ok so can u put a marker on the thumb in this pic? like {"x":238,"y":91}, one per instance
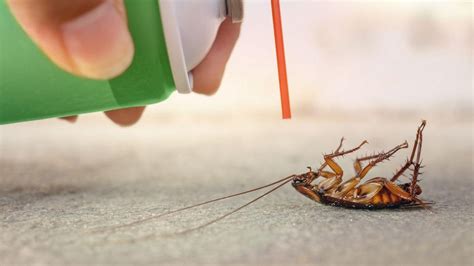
{"x":89,"y":38}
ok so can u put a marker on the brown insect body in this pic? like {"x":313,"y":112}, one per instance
{"x":376,"y":193}
{"x":384,"y":199}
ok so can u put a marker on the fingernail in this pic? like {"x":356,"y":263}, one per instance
{"x":99,"y":42}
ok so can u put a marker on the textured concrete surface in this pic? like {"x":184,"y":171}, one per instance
{"x":60,"y":182}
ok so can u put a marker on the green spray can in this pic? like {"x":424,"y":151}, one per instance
{"x":170,"y":36}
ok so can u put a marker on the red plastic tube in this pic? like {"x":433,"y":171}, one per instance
{"x":280,"y":52}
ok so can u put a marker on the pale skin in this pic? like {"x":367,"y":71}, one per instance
{"x":90,"y":38}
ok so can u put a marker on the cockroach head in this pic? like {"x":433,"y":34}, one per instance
{"x":304,"y":179}
{"x":298,"y":180}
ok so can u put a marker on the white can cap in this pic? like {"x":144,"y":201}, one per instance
{"x":190,"y":28}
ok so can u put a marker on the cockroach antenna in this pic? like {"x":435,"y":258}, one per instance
{"x":280,"y":183}
{"x":235,"y":210}
{"x":157,"y":216}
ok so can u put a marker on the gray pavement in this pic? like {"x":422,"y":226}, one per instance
{"x":59,"y":183}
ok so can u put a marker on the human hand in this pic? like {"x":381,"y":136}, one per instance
{"x":90,"y":38}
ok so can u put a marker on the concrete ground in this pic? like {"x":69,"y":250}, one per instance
{"x":60,"y":183}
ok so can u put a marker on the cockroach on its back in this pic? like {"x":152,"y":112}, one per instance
{"x":375,"y":193}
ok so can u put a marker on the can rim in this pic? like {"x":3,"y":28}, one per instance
{"x":182,"y":78}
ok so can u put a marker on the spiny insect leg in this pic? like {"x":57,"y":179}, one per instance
{"x":323,"y":165}
{"x":340,"y":145}
{"x":358,"y":162}
{"x":329,"y":158}
{"x":320,"y":171}
{"x":401,"y":171}
{"x":417,"y":164}
{"x":327,"y":174}
{"x":350,"y":184}
{"x":416,"y":146}
{"x":334,"y":179}
{"x":380,"y":158}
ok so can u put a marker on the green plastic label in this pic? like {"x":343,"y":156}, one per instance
{"x":32,"y":87}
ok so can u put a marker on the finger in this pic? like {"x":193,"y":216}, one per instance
{"x":89,"y":38}
{"x":70,"y":119}
{"x":127,"y":116}
{"x":208,"y":74}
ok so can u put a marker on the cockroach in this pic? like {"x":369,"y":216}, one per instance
{"x":376,"y":193}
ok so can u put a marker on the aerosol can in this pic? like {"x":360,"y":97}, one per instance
{"x":171,"y":37}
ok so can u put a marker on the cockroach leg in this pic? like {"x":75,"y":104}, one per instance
{"x":377,"y":158}
{"x":401,"y":171}
{"x":358,"y":162}
{"x":329,"y":183}
{"x":308,"y":192}
{"x":353,"y":182}
{"x":345,"y":187}
{"x":364,"y":193}
{"x":416,"y":146}
{"x":327,"y":174}
{"x":380,"y":158}
{"x":392,"y":187}
{"x":350,"y":184}
{"x":320,"y":171}
{"x":338,"y":153}
{"x":417,"y":164}
{"x":340,"y":145}
{"x":329,"y":158}
{"x":334,"y":179}
{"x":413,"y":188}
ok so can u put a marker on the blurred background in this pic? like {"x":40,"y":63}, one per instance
{"x":383,"y":56}
{"x":360,"y":69}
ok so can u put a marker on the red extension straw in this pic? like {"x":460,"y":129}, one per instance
{"x":280,"y":52}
